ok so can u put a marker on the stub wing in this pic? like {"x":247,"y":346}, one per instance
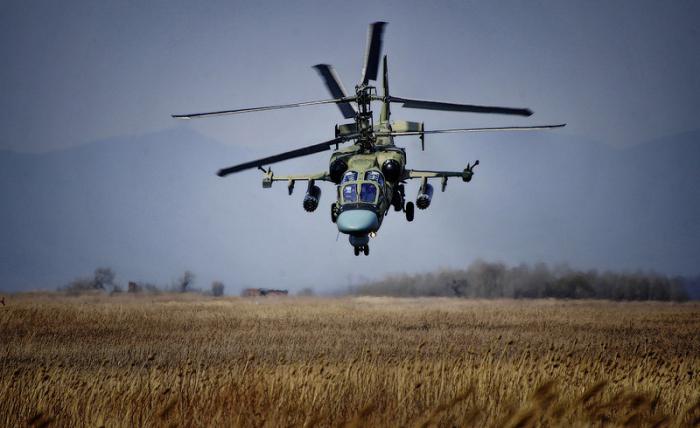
{"x":466,"y":175}
{"x":414,"y":173}
{"x":270,"y":177}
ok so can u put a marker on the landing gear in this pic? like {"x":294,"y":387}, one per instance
{"x":363,"y":249}
{"x":360,"y":244}
{"x":398,"y":199}
{"x":334,"y":212}
{"x":410,"y":210}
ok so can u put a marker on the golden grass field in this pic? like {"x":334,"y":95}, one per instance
{"x":196,"y":361}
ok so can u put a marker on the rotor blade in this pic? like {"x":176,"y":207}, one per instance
{"x":373,"y":51}
{"x":437,"y":105}
{"x":385,"y":113}
{"x":309,"y":150}
{"x":252,"y":109}
{"x":457,"y":130}
{"x":336,"y":88}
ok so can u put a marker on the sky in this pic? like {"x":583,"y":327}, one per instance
{"x":73,"y":73}
{"x":620,"y":73}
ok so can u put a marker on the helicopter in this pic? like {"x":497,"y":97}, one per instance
{"x":370,"y":174}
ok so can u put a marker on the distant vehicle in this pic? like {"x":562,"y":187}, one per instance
{"x":256,"y":292}
{"x":371,"y":173}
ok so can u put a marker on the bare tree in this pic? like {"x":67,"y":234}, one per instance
{"x":217,"y":288}
{"x":104,"y":278}
{"x":184,"y":283}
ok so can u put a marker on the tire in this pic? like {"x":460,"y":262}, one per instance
{"x":357,"y":251}
{"x":366,"y":250}
{"x":410,"y":211}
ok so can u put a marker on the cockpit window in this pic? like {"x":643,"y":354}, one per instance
{"x":368,"y":192}
{"x":375,"y":176}
{"x":350,"y":192}
{"x":349,"y":176}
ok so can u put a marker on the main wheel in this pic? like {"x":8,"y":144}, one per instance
{"x":410,"y":211}
{"x":366,"y":249}
{"x":357,"y":251}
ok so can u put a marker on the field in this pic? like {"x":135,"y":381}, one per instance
{"x":197,"y":361}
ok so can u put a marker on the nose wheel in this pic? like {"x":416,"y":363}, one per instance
{"x":363,"y":249}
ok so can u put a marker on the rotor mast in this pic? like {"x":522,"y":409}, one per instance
{"x":364,"y":119}
{"x":364,"y":93}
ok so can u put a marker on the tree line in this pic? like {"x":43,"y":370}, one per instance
{"x":104,"y":280}
{"x":497,"y":280}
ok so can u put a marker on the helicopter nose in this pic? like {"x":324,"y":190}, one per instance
{"x":354,"y":222}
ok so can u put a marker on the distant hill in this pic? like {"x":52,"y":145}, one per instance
{"x":546,"y":197}
{"x":150,"y":207}
{"x":145,"y":205}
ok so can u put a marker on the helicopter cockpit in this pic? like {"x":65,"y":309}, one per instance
{"x":362,"y":189}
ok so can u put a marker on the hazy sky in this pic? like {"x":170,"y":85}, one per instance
{"x":620,"y":73}
{"x":73,"y":72}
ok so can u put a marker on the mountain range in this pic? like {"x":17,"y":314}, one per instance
{"x":150,"y":207}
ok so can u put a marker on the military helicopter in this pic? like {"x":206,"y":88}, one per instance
{"x":370,"y":173}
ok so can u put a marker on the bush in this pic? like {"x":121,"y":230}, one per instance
{"x":102,"y":280}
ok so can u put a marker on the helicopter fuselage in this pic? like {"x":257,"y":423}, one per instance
{"x":368,"y":187}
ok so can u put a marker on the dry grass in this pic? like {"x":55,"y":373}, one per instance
{"x":184,"y":360}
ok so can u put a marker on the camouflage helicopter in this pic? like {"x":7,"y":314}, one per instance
{"x":370,"y":173}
